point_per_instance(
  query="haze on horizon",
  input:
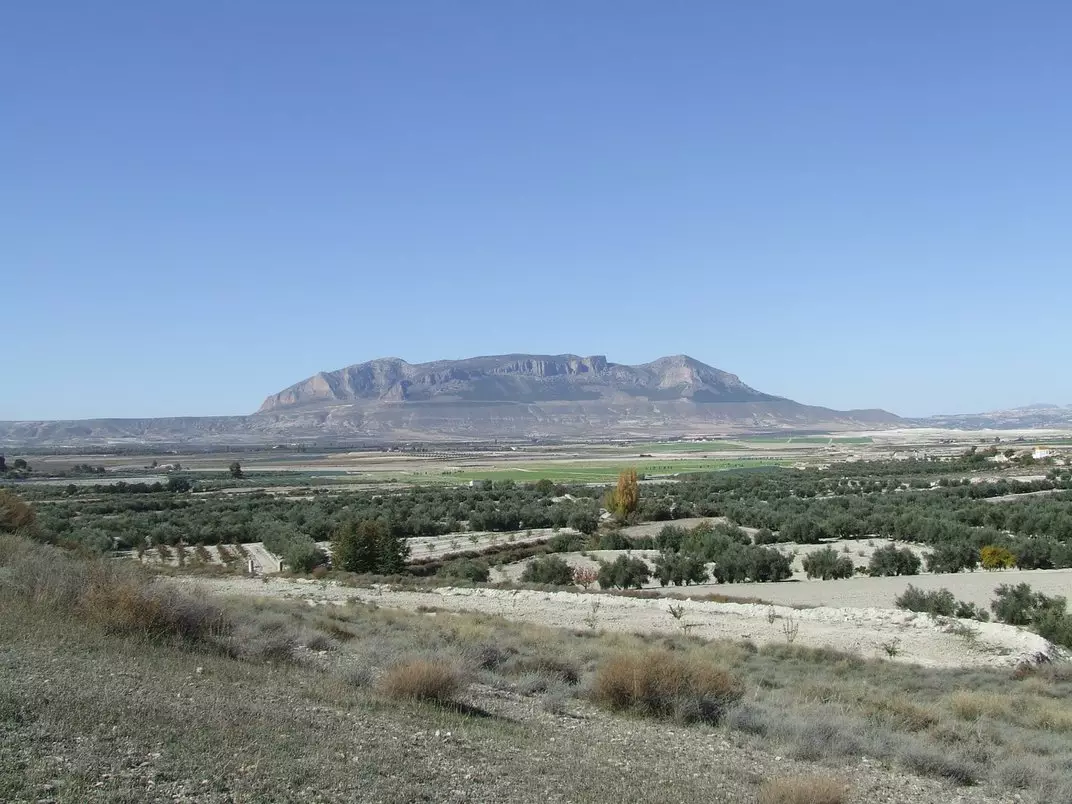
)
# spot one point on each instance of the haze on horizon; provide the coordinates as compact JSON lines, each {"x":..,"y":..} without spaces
{"x":844,"y":204}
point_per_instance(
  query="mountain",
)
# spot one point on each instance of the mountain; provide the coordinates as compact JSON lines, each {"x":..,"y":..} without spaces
{"x":482,"y":398}
{"x":522,"y":396}
{"x":1039,"y":416}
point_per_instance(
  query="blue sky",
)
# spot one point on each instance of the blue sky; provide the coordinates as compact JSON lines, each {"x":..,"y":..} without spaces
{"x":854,"y":204}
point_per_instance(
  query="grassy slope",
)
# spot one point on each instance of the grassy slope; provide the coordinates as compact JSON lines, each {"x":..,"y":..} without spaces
{"x":277,"y":701}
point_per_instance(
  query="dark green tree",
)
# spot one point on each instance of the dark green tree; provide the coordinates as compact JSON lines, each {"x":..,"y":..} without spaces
{"x":236,"y":470}
{"x":890,"y":560}
{"x":368,"y":547}
{"x":550,"y":570}
{"x":827,"y":564}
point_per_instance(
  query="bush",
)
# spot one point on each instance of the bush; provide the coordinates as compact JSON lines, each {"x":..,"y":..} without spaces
{"x":828,"y":565}
{"x":662,"y":684}
{"x":119,"y":597}
{"x":969,"y":611}
{"x":940,"y":603}
{"x":803,"y":790}
{"x":625,"y":572}
{"x":423,"y":680}
{"x":764,"y":536}
{"x":993,"y":557}
{"x":803,"y":531}
{"x":741,"y":563}
{"x":550,"y":570}
{"x":584,"y":520}
{"x":1034,"y":553}
{"x":611,"y":540}
{"x":467,"y":569}
{"x":680,"y":569}
{"x":670,"y":538}
{"x":1019,"y":605}
{"x":565,"y":543}
{"x":953,"y":557}
{"x":15,"y":515}
{"x":890,"y":560}
{"x":302,"y":555}
{"x":1016,"y":605}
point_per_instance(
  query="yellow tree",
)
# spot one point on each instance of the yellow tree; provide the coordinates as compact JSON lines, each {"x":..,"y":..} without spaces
{"x":626,"y":496}
{"x":997,"y":558}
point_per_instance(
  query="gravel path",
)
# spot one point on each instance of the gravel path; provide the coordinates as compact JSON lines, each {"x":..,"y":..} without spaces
{"x":868,"y":632}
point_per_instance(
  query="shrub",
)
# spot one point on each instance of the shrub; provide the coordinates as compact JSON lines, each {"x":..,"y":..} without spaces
{"x":662,"y":684}
{"x":1017,"y":605}
{"x":15,"y":515}
{"x":584,"y":520}
{"x":953,"y":557}
{"x":302,"y":554}
{"x":803,"y":531}
{"x":803,"y":790}
{"x":890,"y":560}
{"x":1034,"y":553}
{"x":670,"y":538}
{"x":993,"y":557}
{"x":827,"y":564}
{"x":467,"y":569}
{"x":550,"y":570}
{"x":740,"y":563}
{"x":679,"y":569}
{"x":625,"y":572}
{"x":933,"y":761}
{"x":117,"y":597}
{"x":584,"y":576}
{"x":423,"y":680}
{"x":565,"y":543}
{"x":940,"y":603}
{"x":611,"y":540}
{"x":969,"y":611}
{"x":765,"y":536}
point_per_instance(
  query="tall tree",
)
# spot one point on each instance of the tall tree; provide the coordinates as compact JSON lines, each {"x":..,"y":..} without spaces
{"x":236,"y":470}
{"x":368,"y":547}
{"x":626,"y":496}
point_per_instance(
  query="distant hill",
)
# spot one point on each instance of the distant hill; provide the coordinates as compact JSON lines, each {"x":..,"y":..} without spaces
{"x":1028,"y":417}
{"x":482,"y":398}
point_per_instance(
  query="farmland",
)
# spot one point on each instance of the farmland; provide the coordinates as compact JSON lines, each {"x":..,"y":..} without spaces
{"x":717,"y":560}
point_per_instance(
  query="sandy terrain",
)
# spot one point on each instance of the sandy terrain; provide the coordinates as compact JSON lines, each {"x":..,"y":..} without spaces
{"x":976,"y":587}
{"x":868,"y":632}
{"x":857,"y":592}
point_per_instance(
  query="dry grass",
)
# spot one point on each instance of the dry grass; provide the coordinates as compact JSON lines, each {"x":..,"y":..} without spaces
{"x":662,"y":684}
{"x":116,"y":596}
{"x":423,"y":680}
{"x":803,"y":790}
{"x":971,"y":705}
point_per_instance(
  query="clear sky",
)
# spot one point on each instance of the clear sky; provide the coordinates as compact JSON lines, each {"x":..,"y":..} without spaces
{"x":853,"y":204}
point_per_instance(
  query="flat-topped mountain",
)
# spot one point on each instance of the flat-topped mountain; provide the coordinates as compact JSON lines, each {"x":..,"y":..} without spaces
{"x":520,"y":379}
{"x":481,"y":398}
{"x":518,"y":396}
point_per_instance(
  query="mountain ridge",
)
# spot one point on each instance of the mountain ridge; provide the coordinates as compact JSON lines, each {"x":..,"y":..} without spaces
{"x":516,"y":378}
{"x":512,"y":396}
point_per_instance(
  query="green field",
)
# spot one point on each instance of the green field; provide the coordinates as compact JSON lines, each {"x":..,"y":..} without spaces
{"x":686,"y":446}
{"x":605,"y":472}
{"x":806,"y":440}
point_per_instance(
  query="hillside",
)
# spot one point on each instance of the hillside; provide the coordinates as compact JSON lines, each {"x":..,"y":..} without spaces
{"x":482,"y":398}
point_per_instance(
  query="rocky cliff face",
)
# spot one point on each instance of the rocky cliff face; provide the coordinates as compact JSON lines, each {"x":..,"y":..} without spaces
{"x":481,"y":398}
{"x":516,"y":378}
